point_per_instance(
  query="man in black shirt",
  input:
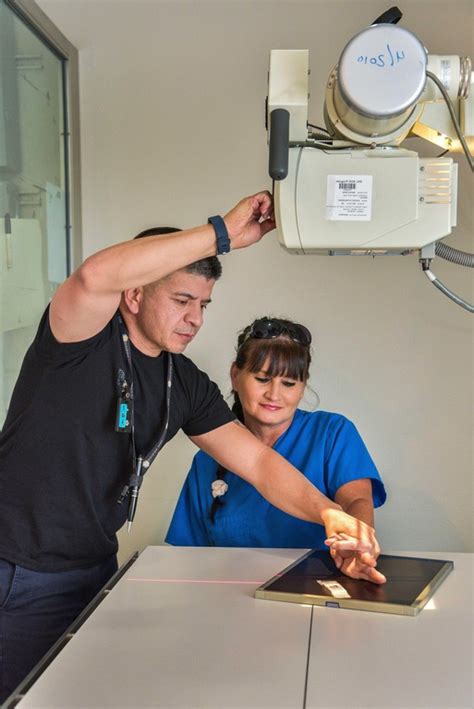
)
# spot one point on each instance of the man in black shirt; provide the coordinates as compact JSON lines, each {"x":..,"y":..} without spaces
{"x":108,"y":354}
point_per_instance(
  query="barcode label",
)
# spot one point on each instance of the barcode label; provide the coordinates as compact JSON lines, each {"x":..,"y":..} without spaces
{"x":349,"y":198}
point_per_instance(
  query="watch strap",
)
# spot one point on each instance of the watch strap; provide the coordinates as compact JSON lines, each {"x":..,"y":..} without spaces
{"x":222,"y":235}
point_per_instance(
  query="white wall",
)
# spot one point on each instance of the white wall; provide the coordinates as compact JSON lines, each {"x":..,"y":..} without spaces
{"x":172,"y":102}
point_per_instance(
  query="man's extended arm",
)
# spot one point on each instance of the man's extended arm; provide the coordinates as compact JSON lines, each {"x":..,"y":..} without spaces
{"x":87,"y":300}
{"x":284,"y":486}
{"x":355,"y":498}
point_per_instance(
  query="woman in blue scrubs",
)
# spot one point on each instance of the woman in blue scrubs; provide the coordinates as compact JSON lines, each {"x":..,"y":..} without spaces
{"x":269,"y":376}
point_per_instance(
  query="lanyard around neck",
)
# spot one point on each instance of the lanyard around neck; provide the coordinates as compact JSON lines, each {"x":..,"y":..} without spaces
{"x":155,"y":449}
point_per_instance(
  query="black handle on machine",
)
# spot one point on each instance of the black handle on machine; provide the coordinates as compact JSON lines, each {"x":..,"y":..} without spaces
{"x":279,"y":143}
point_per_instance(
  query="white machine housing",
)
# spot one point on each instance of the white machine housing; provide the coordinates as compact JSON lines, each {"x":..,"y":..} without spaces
{"x":360,"y":201}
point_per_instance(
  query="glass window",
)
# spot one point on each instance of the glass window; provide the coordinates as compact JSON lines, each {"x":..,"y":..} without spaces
{"x":34,"y":197}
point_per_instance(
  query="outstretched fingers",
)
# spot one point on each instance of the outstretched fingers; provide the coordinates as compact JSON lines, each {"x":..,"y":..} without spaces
{"x":355,"y":568}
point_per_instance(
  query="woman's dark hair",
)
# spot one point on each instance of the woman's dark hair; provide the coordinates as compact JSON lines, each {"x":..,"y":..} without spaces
{"x":209,"y":267}
{"x":281,"y":356}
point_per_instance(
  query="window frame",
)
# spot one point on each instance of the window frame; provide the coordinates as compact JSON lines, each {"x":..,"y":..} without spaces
{"x":46,"y":30}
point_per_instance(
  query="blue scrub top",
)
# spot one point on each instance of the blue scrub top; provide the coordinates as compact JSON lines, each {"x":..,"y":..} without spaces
{"x":325,"y":447}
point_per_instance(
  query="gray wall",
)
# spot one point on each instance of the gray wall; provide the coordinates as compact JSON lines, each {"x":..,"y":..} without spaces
{"x":172,"y":111}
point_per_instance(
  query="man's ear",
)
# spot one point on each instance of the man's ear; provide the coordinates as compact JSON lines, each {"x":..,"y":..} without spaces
{"x":132,"y":299}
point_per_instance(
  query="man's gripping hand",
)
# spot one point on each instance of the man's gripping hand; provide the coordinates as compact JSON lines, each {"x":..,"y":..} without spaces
{"x":353,"y":563}
{"x":353,"y":546}
{"x":250,"y":220}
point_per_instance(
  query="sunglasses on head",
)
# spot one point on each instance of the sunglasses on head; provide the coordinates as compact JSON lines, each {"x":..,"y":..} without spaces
{"x":269,"y":329}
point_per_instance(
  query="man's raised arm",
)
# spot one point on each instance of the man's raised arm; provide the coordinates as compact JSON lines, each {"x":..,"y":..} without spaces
{"x":87,"y":300}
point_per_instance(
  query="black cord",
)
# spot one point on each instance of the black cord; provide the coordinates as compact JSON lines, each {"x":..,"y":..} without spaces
{"x":323,"y":130}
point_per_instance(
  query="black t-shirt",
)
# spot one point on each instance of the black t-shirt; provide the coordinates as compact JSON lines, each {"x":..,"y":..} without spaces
{"x":63,"y":465}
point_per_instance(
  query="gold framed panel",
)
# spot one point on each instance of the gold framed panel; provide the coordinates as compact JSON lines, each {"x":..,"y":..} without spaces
{"x":363,"y":595}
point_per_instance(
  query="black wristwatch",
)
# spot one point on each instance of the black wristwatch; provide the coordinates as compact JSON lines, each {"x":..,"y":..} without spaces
{"x":222,"y":235}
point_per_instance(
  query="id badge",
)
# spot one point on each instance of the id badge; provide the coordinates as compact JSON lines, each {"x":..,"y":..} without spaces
{"x":123,"y":417}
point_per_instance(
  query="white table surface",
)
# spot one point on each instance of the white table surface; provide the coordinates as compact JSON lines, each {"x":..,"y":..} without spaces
{"x":378,"y":660}
{"x":182,"y":629}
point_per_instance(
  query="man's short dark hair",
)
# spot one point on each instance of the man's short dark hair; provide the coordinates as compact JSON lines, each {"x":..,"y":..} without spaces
{"x":209,"y":267}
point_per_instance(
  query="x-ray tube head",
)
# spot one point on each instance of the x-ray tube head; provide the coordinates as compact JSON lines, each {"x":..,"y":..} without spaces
{"x":372,"y":93}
